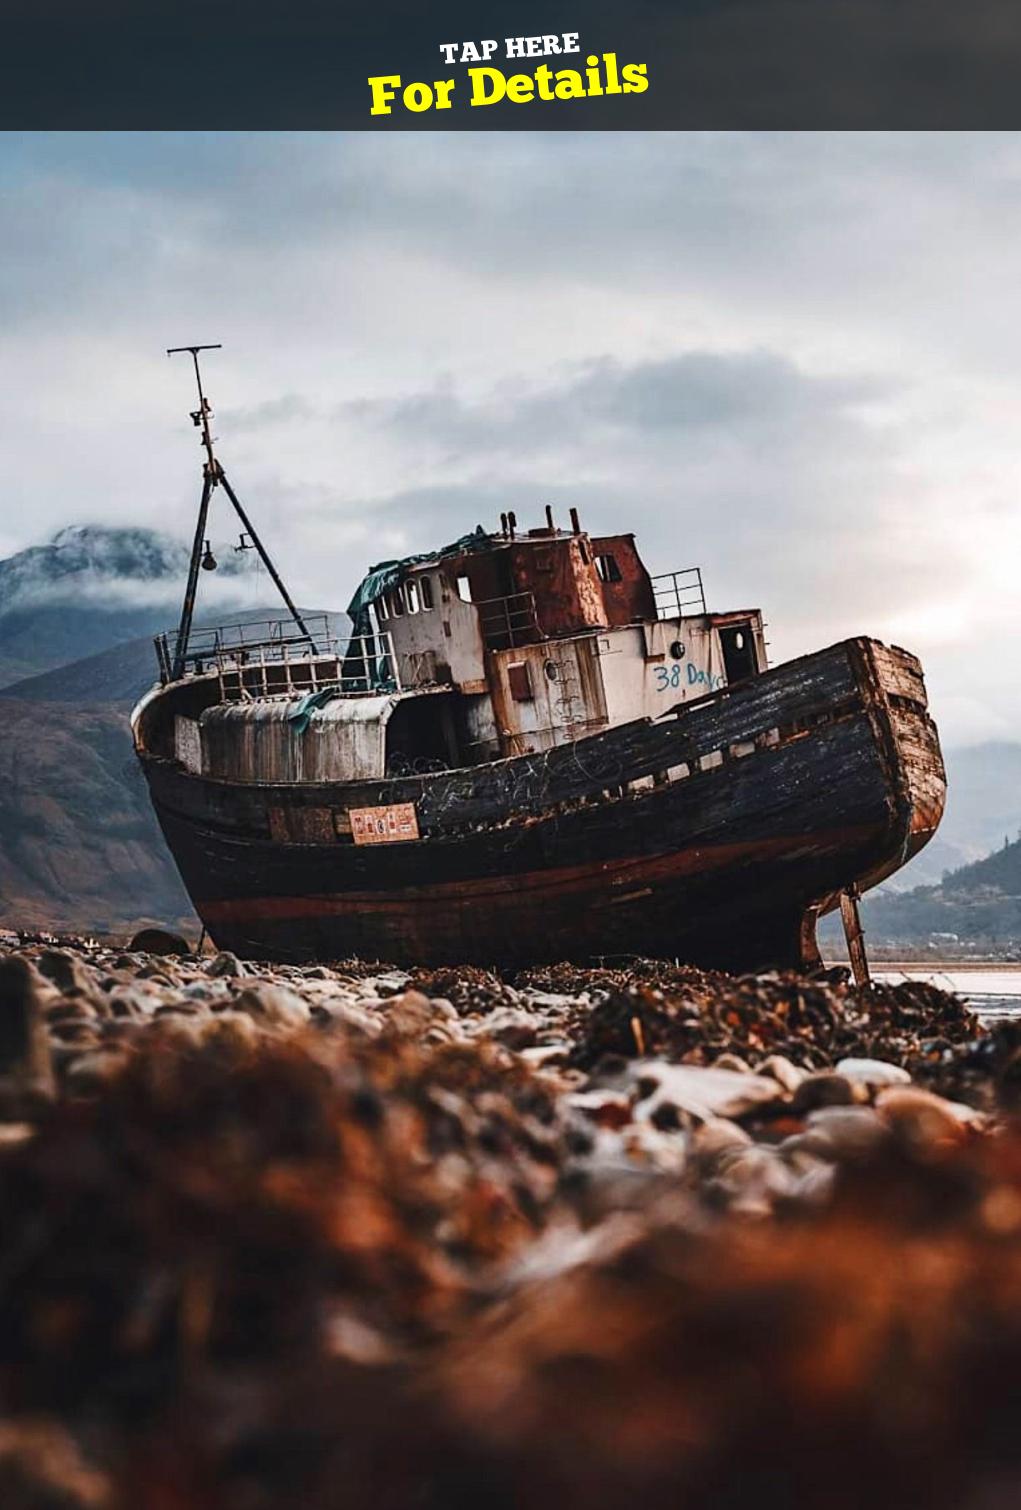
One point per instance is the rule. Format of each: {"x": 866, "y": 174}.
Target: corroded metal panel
{"x": 630, "y": 598}
{"x": 261, "y": 742}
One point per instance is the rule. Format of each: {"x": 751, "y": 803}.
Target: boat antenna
{"x": 214, "y": 476}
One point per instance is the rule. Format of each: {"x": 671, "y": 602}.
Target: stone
{"x": 873, "y": 1073}
{"x": 27, "y": 1081}
{"x": 66, "y": 971}
{"x": 716, "y": 1140}
{"x": 604, "y": 1108}
{"x": 850, "y": 1131}
{"x": 732, "y": 1062}
{"x": 159, "y": 941}
{"x": 700, "y": 1091}
{"x": 925, "y": 1119}
{"x": 783, "y": 1072}
{"x": 225, "y": 963}
{"x": 411, "y": 1014}
{"x": 823, "y": 1088}
{"x": 273, "y": 1006}
{"x": 511, "y": 1026}
{"x": 749, "y": 1181}
{"x": 91, "y": 1073}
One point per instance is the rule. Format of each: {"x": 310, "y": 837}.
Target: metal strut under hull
{"x": 715, "y": 836}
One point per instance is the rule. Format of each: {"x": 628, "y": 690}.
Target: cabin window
{"x": 396, "y": 601}
{"x": 464, "y": 589}
{"x": 411, "y": 590}
{"x": 607, "y": 568}
{"x": 520, "y": 682}
{"x": 425, "y": 585}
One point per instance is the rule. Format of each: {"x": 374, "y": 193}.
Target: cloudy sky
{"x": 792, "y": 359}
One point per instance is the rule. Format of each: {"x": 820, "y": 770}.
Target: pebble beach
{"x": 343, "y": 1235}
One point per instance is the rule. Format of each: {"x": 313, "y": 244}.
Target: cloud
{"x": 790, "y": 358}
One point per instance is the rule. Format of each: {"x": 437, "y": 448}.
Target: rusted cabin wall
{"x": 632, "y": 598}
{"x": 488, "y": 572}
{"x": 568, "y": 593}
{"x": 567, "y": 699}
{"x": 246, "y": 742}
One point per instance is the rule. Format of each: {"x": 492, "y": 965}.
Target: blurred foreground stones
{"x": 344, "y": 1236}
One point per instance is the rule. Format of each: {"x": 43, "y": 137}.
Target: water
{"x": 993, "y": 991}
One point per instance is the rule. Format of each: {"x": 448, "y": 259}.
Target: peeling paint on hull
{"x": 714, "y": 836}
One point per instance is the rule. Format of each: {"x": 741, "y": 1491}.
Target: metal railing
{"x": 370, "y": 664}
{"x": 275, "y": 658}
{"x": 679, "y": 593}
{"x": 237, "y": 644}
{"x": 509, "y": 622}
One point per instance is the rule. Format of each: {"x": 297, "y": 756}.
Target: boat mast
{"x": 214, "y": 476}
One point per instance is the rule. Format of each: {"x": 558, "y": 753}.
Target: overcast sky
{"x": 792, "y": 359}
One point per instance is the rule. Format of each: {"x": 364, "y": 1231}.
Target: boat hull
{"x": 715, "y": 835}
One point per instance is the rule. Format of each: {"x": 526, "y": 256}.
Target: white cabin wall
{"x": 448, "y": 634}
{"x": 641, "y": 677}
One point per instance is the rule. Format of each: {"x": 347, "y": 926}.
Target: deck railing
{"x": 268, "y": 639}
{"x": 679, "y": 594}
{"x": 277, "y": 658}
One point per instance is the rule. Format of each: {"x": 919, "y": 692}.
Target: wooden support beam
{"x": 855, "y": 936}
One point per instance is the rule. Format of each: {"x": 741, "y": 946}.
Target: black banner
{"x": 644, "y": 65}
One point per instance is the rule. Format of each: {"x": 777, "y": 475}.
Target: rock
{"x": 783, "y": 1072}
{"x": 274, "y": 1006}
{"x": 159, "y": 941}
{"x": 872, "y": 1073}
{"x": 91, "y": 1073}
{"x": 27, "y": 1081}
{"x": 925, "y": 1119}
{"x": 511, "y": 1026}
{"x": 42, "y": 1468}
{"x": 66, "y": 971}
{"x": 732, "y": 1062}
{"x": 72, "y": 1009}
{"x": 225, "y": 963}
{"x": 702, "y": 1092}
{"x": 546, "y": 1054}
{"x": 349, "y": 1015}
{"x": 750, "y": 1181}
{"x": 412, "y": 1014}
{"x": 716, "y": 1139}
{"x": 849, "y": 1131}
{"x": 822, "y": 1089}
{"x": 605, "y": 1108}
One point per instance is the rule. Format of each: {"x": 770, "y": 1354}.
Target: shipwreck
{"x": 526, "y": 749}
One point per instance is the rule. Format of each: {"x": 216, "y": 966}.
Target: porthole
{"x": 552, "y": 670}
{"x": 677, "y": 650}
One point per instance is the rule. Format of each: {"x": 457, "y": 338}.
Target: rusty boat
{"x": 527, "y": 748}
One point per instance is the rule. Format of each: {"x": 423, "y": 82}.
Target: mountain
{"x": 79, "y": 846}
{"x": 978, "y": 903}
{"x": 96, "y": 586}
